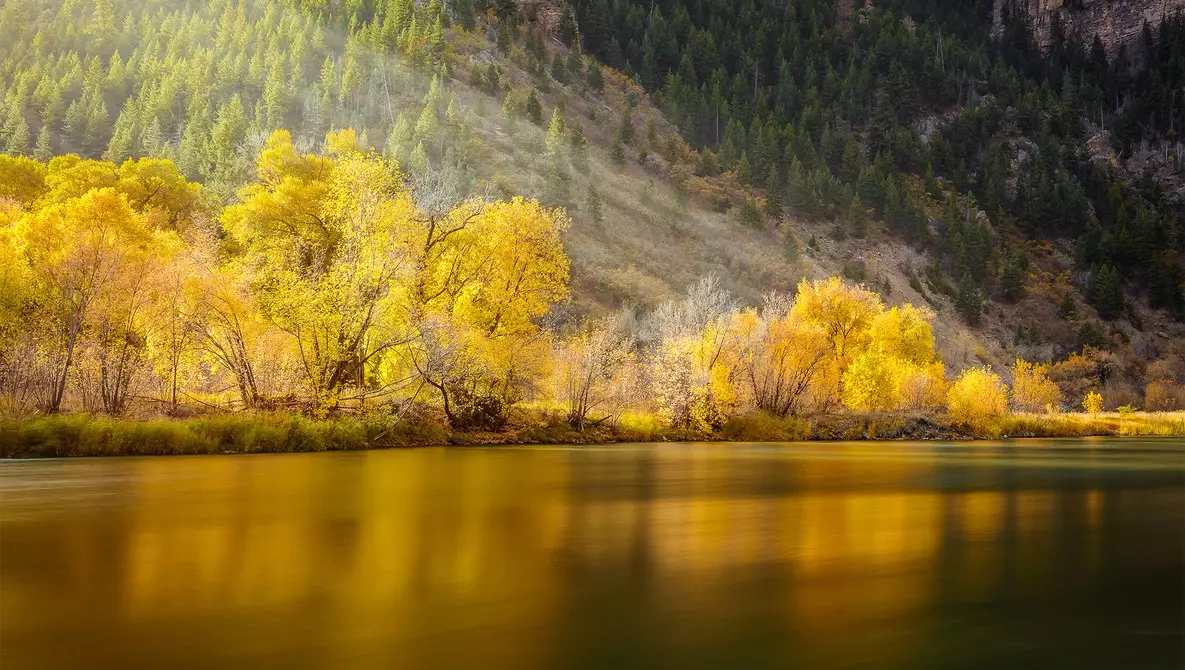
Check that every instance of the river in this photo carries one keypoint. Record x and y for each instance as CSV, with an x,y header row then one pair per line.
x,y
1026,554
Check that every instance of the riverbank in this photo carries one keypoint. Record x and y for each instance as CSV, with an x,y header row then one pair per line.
x,y
95,435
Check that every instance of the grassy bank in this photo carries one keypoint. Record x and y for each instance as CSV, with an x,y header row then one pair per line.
x,y
93,435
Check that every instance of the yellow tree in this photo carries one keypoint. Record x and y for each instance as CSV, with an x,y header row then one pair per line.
x,y
1032,390
898,367
697,343
845,314
16,342
589,364
156,188
487,273
77,250
22,180
977,396
780,361
227,328
326,240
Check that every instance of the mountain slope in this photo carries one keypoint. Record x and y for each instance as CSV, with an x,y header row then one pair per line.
x,y
463,100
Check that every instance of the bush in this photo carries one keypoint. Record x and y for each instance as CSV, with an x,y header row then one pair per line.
x,y
977,397
1032,390
1093,402
764,427
1162,396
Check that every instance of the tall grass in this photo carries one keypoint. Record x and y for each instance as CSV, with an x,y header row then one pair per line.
x,y
94,435
1115,424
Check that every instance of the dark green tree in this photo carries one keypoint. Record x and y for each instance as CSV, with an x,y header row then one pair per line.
x,y
968,300
1106,292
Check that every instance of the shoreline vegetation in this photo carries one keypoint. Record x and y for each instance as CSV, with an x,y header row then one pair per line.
x,y
89,435
336,305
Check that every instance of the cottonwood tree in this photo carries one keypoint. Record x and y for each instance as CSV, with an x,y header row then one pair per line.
x,y
326,240
77,251
486,273
590,366
781,359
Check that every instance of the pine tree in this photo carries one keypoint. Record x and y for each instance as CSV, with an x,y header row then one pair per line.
x,y
596,80
418,163
1068,309
427,125
98,127
1107,292
968,300
226,136
568,30
773,194
533,109
151,138
504,37
18,136
43,151
625,133
593,204
559,70
463,10
557,160
122,138
1012,280
399,141
618,153
275,97
857,217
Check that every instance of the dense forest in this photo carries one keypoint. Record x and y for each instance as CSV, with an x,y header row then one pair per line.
x,y
834,114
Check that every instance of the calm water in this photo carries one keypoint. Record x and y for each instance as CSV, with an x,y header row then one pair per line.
x,y
1042,554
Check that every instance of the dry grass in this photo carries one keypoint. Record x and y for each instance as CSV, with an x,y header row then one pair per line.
x,y
91,435
1130,424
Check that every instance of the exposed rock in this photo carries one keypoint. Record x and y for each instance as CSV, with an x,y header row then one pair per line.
x,y
1115,22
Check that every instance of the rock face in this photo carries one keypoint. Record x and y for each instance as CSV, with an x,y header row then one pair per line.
x,y
1115,22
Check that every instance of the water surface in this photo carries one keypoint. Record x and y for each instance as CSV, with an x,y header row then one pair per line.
x,y
1038,554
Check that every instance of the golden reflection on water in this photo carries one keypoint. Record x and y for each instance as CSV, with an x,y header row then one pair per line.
x,y
516,558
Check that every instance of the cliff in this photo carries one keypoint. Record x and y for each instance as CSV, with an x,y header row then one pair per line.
x,y
1115,22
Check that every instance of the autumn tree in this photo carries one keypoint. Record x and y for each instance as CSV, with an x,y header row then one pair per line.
x,y
977,396
1032,390
78,250
593,370
326,239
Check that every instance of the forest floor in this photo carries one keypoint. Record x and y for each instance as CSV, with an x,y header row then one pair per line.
x,y
70,435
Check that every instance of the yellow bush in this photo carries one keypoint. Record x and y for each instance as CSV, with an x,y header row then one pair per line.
x,y
1032,390
875,381
977,396
1092,402
869,383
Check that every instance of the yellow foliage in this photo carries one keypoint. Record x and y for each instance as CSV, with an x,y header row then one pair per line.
x,y
977,396
870,382
22,180
877,381
1092,402
844,312
903,332
1032,390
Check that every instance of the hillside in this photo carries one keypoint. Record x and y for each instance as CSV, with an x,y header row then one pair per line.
x,y
811,163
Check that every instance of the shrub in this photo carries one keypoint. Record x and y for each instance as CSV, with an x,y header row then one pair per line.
x,y
1161,396
1092,402
1032,390
977,397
